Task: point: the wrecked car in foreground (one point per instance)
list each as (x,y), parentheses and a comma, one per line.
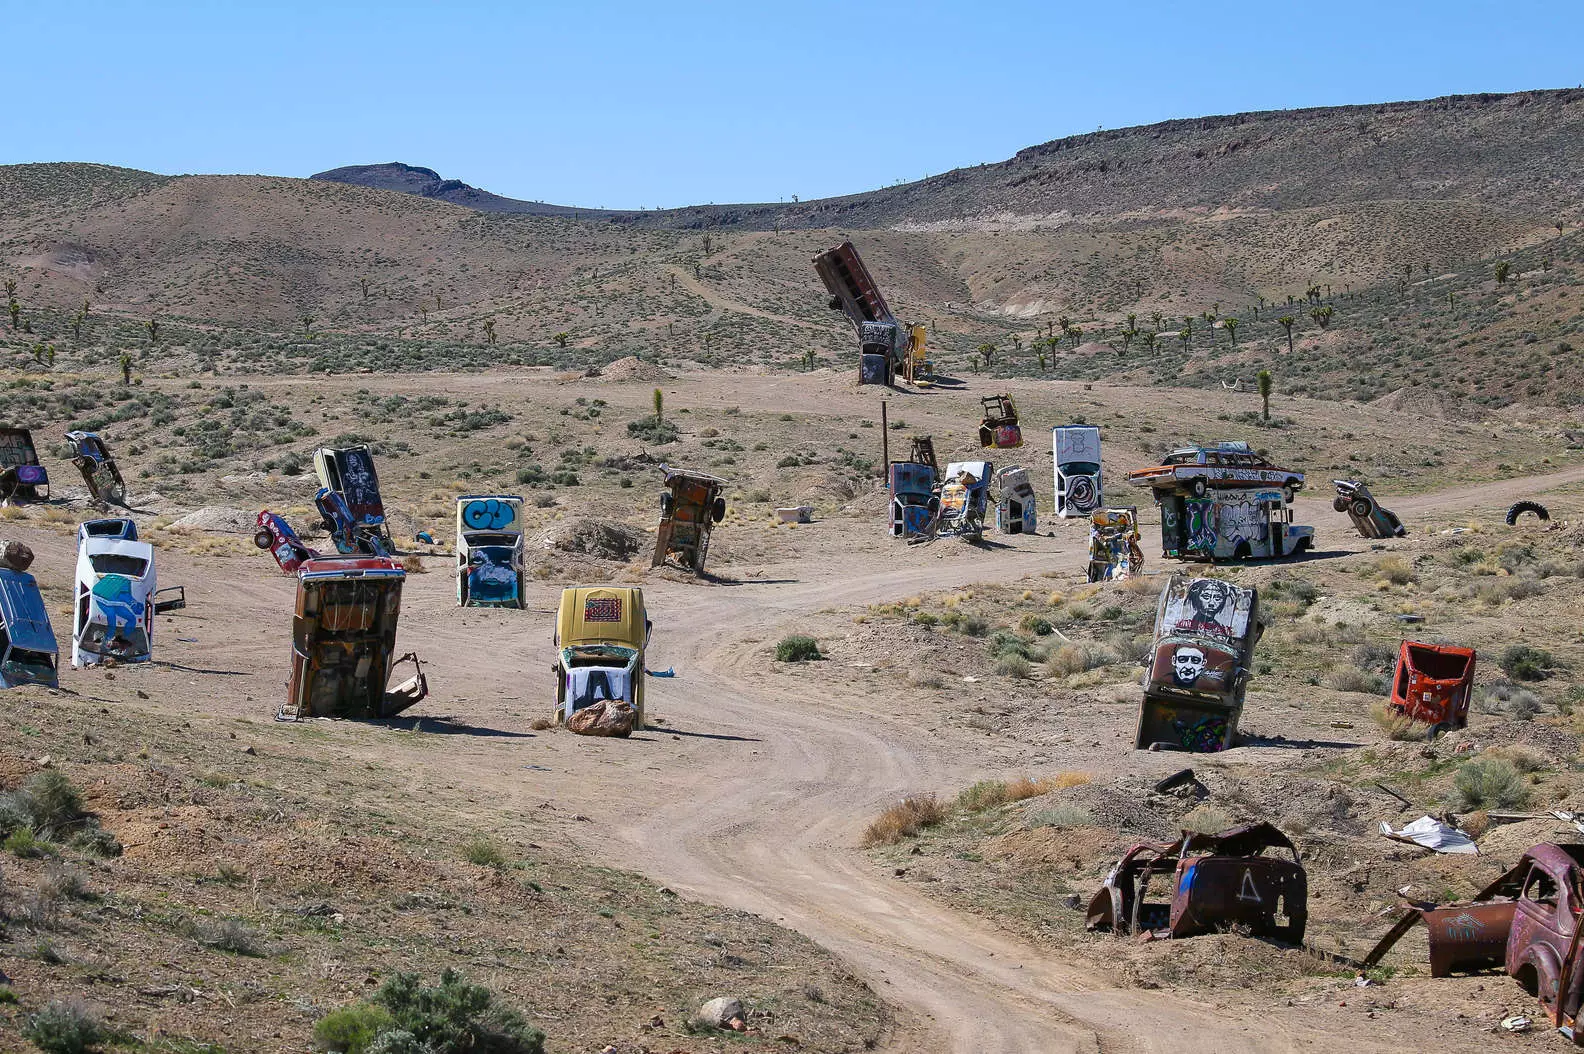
(1205,632)
(1216,881)
(690,507)
(98,466)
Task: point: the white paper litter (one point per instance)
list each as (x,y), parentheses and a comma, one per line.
(1432,834)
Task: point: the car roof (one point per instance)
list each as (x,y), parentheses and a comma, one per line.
(97,544)
(27,621)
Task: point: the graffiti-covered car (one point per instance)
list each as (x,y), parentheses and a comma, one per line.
(22,478)
(1205,632)
(1231,464)
(350,536)
(110,527)
(914,505)
(28,652)
(1225,502)
(964,499)
(600,637)
(344,641)
(490,567)
(276,537)
(999,426)
(1114,553)
(690,507)
(98,466)
(1211,883)
(349,472)
(1015,506)
(1370,517)
(117,596)
(1075,450)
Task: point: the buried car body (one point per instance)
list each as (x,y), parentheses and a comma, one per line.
(600,638)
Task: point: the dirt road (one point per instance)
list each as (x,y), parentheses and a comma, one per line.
(754,792)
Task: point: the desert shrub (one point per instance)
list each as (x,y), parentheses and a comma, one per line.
(904,820)
(1061,817)
(1499,591)
(1352,679)
(1504,698)
(1076,658)
(925,679)
(51,800)
(973,625)
(1397,726)
(13,812)
(1488,783)
(404,1017)
(1524,759)
(96,841)
(987,794)
(1004,642)
(1206,819)
(23,843)
(798,648)
(1395,570)
(483,852)
(1036,625)
(1013,665)
(653,430)
(235,937)
(1524,663)
(1514,556)
(351,1028)
(1374,656)
(1299,591)
(64,1027)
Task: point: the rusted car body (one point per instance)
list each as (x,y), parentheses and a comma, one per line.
(344,641)
(1217,881)
(915,506)
(1433,684)
(22,478)
(1225,502)
(349,472)
(98,467)
(886,346)
(1016,511)
(1370,518)
(999,426)
(1205,632)
(964,499)
(690,507)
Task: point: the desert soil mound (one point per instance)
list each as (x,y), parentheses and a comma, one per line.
(1428,402)
(601,539)
(632,368)
(218,519)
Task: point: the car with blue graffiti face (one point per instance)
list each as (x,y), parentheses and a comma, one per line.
(116,598)
(490,567)
(28,652)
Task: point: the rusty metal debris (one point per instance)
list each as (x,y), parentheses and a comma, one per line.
(690,507)
(999,426)
(1433,684)
(1217,881)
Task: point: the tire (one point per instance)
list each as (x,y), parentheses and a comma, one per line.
(667,503)
(1242,552)
(264,540)
(1361,508)
(1521,507)
(718,510)
(1340,504)
(1200,486)
(1289,492)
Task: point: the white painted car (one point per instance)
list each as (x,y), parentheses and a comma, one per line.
(115,601)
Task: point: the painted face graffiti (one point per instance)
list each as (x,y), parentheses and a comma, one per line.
(1187,664)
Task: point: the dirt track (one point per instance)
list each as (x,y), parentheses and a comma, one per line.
(751,795)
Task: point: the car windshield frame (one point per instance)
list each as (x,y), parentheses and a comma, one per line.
(106,564)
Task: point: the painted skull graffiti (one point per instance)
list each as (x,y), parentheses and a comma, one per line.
(1187,664)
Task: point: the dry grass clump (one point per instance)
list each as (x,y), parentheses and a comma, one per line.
(414,565)
(1206,819)
(1014,666)
(1398,727)
(1062,816)
(1063,780)
(904,820)
(1351,679)
(1394,570)
(1076,658)
(987,794)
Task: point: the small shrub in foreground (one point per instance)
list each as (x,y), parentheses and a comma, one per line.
(483,852)
(987,794)
(904,820)
(67,1027)
(798,648)
(1062,817)
(1398,727)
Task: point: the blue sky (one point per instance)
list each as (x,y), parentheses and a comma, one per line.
(625,104)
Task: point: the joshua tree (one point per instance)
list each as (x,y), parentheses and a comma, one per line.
(1155,317)
(307,321)
(1064,322)
(659,405)
(1559,228)
(1312,294)
(126,368)
(561,339)
(364,282)
(1076,335)
(1132,320)
(1185,335)
(1503,269)
(1263,377)
(439,304)
(1149,339)
(1127,338)
(77,321)
(1042,359)
(153,327)
(986,350)
(1321,315)
(709,245)
(1286,322)
(1231,325)
(489,331)
(10,288)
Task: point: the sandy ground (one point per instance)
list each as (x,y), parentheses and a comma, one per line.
(749,794)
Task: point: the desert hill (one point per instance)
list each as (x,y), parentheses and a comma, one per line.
(1395,217)
(426,182)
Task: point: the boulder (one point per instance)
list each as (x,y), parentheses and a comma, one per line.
(16,556)
(604,718)
(721,1011)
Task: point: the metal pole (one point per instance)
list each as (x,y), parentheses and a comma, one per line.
(885,442)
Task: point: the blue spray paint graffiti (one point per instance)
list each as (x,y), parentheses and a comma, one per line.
(488,514)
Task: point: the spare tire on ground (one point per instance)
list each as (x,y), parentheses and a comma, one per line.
(604,718)
(1521,507)
(15,556)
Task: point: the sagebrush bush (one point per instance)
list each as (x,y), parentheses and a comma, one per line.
(1395,570)
(1488,783)
(798,648)
(1061,817)
(351,1029)
(1524,663)
(483,852)
(653,430)
(52,800)
(987,794)
(1352,679)
(64,1027)
(1076,658)
(405,1017)
(973,625)
(1506,699)
(1010,664)
(904,820)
